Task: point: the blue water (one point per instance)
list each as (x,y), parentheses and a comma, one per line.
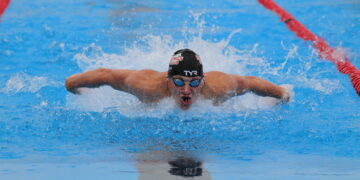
(47,133)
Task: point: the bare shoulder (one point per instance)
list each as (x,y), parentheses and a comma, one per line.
(219,84)
(147,84)
(216,74)
(219,79)
(128,76)
(146,76)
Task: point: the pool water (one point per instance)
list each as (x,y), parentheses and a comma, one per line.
(48,133)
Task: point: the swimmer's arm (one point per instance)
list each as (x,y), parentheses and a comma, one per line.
(97,78)
(261,87)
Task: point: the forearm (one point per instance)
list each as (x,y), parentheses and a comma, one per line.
(94,78)
(265,88)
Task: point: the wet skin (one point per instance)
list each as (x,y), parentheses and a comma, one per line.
(151,86)
(185,95)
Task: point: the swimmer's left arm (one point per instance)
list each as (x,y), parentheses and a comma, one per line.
(261,87)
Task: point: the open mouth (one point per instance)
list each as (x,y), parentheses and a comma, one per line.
(185,100)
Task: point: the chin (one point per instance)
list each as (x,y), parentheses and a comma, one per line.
(185,107)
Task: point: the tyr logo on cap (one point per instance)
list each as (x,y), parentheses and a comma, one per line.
(190,73)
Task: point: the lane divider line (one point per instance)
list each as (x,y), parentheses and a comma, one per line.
(323,49)
(3,5)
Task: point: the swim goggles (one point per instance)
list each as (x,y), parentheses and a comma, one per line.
(180,82)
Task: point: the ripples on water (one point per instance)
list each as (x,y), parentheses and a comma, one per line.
(38,116)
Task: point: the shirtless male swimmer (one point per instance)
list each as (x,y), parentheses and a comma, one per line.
(185,81)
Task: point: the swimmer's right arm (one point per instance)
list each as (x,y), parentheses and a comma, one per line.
(97,78)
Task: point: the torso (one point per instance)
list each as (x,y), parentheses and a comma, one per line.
(151,86)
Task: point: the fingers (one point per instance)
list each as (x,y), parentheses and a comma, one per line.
(286,97)
(287,93)
(70,85)
(75,91)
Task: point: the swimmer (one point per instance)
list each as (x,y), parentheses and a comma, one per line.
(185,81)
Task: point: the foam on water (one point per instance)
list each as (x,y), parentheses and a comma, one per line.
(154,52)
(22,82)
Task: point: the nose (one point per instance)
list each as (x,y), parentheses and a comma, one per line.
(186,89)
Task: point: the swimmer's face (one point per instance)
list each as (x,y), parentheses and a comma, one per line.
(185,89)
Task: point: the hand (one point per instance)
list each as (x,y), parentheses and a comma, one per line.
(70,85)
(75,91)
(287,93)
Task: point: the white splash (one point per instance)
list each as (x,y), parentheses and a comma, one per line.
(154,52)
(324,85)
(22,82)
(305,79)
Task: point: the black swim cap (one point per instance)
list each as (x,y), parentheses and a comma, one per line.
(185,62)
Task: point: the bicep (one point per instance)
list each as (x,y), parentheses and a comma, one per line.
(117,78)
(103,76)
(96,78)
(141,81)
(93,78)
(222,84)
(147,85)
(260,86)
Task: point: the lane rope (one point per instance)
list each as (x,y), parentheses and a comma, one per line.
(3,5)
(323,49)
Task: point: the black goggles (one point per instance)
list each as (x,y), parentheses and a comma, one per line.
(180,82)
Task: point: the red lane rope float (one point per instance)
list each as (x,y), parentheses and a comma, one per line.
(3,5)
(324,50)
